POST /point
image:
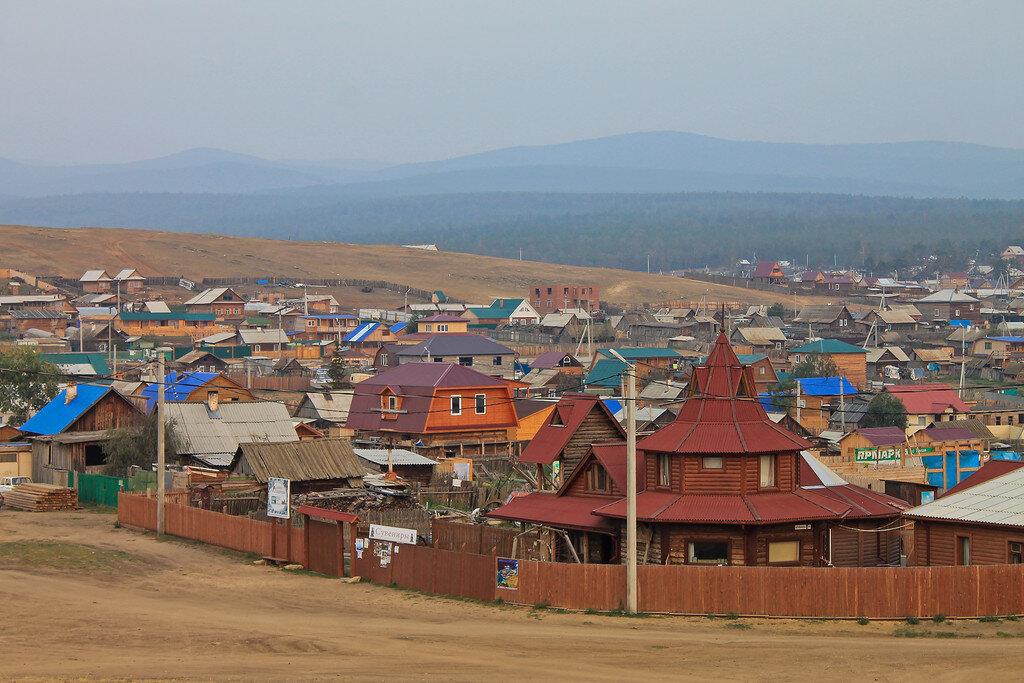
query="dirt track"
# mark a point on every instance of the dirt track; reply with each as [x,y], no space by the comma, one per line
[129,606]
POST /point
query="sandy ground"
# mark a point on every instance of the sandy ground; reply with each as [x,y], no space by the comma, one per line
[132,607]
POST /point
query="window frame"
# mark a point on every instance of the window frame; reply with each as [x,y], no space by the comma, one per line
[962,550]
[664,473]
[705,458]
[455,404]
[594,472]
[771,458]
[689,543]
[786,563]
[1010,552]
[480,404]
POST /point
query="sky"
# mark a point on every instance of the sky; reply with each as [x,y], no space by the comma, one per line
[107,81]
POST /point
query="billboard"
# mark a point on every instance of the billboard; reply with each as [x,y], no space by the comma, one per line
[394,534]
[279,497]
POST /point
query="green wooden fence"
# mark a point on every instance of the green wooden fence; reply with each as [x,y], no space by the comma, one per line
[98,488]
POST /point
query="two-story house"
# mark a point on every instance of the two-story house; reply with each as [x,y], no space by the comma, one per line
[223,302]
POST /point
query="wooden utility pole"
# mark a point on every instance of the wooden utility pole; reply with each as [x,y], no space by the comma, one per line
[160,456]
[631,581]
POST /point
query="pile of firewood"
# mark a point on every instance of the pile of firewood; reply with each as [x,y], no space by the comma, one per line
[41,498]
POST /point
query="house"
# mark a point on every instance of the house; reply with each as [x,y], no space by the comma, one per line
[223,302]
[662,394]
[817,398]
[833,317]
[440,408]
[722,484]
[1013,253]
[197,386]
[442,324]
[1000,349]
[550,298]
[978,522]
[769,273]
[372,335]
[928,403]
[209,433]
[569,326]
[407,464]
[469,350]
[887,361]
[934,360]
[79,364]
[503,312]
[875,446]
[577,421]
[129,280]
[96,281]
[327,410]
[954,280]
[198,360]
[269,342]
[607,374]
[533,414]
[562,361]
[835,285]
[646,359]
[54,321]
[68,433]
[313,465]
[851,360]
[323,326]
[145,324]
[758,339]
[949,304]
[901,321]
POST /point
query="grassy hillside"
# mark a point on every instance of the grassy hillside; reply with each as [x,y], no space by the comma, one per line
[69,252]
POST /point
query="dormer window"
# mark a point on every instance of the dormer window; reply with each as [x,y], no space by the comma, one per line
[597,478]
[664,470]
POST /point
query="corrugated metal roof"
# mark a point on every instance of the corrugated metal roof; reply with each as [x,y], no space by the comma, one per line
[261,336]
[361,332]
[454,345]
[207,296]
[57,415]
[829,346]
[148,315]
[95,276]
[573,512]
[311,460]
[399,456]
[214,438]
[996,501]
[332,406]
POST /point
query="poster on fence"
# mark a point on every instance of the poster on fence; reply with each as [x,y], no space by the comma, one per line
[278,497]
[508,574]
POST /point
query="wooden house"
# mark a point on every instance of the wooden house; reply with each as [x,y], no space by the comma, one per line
[198,360]
[949,304]
[130,281]
[769,273]
[830,317]
[442,324]
[328,411]
[311,465]
[1001,350]
[851,360]
[533,414]
[208,433]
[213,387]
[577,421]
[191,325]
[928,403]
[223,302]
[96,281]
[563,361]
[68,433]
[441,409]
[503,312]
[470,350]
[977,522]
[758,339]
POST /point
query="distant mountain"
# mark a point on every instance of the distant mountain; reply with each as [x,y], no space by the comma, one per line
[636,162]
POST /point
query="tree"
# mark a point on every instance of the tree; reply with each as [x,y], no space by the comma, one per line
[816,365]
[27,382]
[885,411]
[136,444]
[338,374]
[777,309]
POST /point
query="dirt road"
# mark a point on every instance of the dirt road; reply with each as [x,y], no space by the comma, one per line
[83,599]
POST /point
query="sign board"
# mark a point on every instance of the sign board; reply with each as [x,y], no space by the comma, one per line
[394,534]
[508,574]
[186,283]
[279,497]
[887,454]
[927,497]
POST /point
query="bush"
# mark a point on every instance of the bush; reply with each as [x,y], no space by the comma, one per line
[913,621]
[939,618]
[863,621]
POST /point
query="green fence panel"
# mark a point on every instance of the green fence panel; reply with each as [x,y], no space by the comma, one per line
[97,488]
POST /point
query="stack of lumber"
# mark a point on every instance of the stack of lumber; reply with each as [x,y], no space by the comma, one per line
[41,498]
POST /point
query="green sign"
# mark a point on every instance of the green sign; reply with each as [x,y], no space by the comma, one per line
[887,454]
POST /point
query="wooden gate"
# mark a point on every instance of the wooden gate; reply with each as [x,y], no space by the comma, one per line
[324,544]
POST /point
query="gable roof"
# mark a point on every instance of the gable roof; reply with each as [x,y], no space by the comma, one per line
[79,363]
[331,406]
[606,373]
[553,359]
[454,345]
[263,336]
[640,353]
[947,296]
[924,399]
[828,346]
[898,355]
[722,414]
[765,268]
[210,295]
[820,314]
[882,436]
[213,437]
[58,415]
[310,460]
[499,308]
[398,456]
[568,415]
[128,274]
[996,501]
[761,335]
[95,276]
[178,386]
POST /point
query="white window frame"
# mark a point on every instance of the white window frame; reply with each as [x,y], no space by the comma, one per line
[480,407]
[768,476]
[455,403]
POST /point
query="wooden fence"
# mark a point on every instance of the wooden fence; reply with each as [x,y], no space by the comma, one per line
[479,539]
[271,383]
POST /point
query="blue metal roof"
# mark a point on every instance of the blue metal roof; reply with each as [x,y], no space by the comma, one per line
[398,327]
[829,346]
[825,386]
[56,416]
[361,332]
[177,387]
[1012,340]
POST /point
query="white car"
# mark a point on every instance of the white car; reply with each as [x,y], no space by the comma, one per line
[8,483]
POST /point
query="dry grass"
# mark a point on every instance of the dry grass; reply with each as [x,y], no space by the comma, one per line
[69,252]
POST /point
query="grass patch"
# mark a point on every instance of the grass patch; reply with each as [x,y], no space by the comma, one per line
[945,634]
[1013,617]
[739,624]
[863,621]
[1004,634]
[660,647]
[36,555]
[905,632]
[913,621]
[990,620]
[732,615]
[307,572]
[540,605]
[590,610]
[939,618]
[97,508]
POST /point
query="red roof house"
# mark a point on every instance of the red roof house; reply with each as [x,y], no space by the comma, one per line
[928,403]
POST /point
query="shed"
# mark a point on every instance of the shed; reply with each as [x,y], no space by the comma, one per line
[315,464]
[405,463]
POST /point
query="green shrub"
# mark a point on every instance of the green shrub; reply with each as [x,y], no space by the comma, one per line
[863,621]
[913,621]
[939,618]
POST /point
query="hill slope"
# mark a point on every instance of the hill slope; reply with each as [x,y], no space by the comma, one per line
[70,252]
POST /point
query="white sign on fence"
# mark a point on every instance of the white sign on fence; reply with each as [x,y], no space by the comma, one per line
[392,533]
[278,497]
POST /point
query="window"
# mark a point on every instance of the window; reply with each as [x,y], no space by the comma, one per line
[664,469]
[481,404]
[783,552]
[963,550]
[438,359]
[843,322]
[761,369]
[456,405]
[392,403]
[708,552]
[310,323]
[767,471]
[441,327]
[1016,553]
[496,361]
[427,326]
[466,360]
[712,462]
[988,346]
[597,478]
[549,290]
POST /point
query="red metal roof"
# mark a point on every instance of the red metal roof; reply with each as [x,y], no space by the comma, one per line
[612,456]
[927,399]
[990,470]
[570,512]
[722,414]
[883,436]
[765,268]
[568,415]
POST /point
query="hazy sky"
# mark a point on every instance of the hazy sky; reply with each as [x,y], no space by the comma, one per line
[408,81]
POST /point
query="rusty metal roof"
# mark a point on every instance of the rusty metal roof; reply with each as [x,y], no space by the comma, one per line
[311,460]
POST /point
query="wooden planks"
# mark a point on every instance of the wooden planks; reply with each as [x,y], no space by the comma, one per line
[41,498]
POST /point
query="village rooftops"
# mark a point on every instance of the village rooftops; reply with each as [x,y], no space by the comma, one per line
[170,315]
[948,296]
[214,436]
[927,399]
[641,353]
[883,436]
[442,318]
[454,345]
[990,470]
[998,502]
[300,461]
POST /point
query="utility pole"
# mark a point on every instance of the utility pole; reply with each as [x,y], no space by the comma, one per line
[160,456]
[631,581]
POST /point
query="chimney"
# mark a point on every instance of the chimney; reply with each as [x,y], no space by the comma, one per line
[213,401]
[71,392]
